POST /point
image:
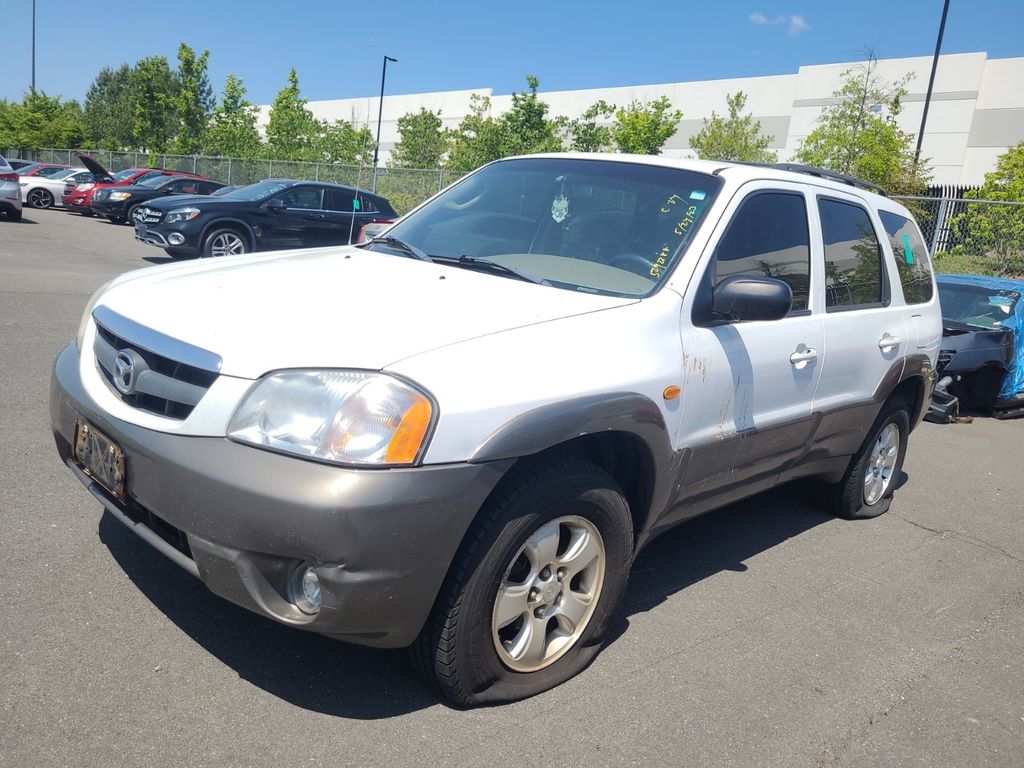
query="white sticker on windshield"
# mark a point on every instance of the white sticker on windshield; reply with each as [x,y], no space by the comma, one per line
[697,195]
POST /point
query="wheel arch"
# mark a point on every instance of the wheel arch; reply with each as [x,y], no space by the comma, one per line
[623,433]
[238,225]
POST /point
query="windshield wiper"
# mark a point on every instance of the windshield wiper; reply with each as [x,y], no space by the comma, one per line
[401,245]
[472,262]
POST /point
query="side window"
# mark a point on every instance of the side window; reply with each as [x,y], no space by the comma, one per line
[305,198]
[208,187]
[367,205]
[185,187]
[768,236]
[341,200]
[853,257]
[911,254]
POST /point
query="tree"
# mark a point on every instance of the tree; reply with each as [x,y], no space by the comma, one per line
[232,131]
[292,131]
[110,108]
[643,128]
[41,121]
[585,135]
[990,236]
[341,142]
[736,137]
[155,87]
[194,100]
[524,129]
[422,141]
[858,135]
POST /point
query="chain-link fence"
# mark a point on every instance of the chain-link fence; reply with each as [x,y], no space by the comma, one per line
[968,236]
[404,187]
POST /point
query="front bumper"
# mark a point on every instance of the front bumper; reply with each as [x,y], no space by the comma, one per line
[77,206]
[117,208]
[382,539]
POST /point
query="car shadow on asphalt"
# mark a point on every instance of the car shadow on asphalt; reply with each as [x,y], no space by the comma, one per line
[339,679]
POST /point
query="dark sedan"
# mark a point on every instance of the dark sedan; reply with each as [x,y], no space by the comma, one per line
[270,215]
[120,204]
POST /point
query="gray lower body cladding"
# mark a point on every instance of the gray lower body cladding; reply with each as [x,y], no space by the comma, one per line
[383,539]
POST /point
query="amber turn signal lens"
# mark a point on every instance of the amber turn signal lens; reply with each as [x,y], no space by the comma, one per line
[410,433]
[671,393]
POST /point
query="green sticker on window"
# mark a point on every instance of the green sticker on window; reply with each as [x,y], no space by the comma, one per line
[356,206]
[908,252]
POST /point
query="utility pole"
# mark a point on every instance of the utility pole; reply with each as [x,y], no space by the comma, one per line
[33,46]
[931,81]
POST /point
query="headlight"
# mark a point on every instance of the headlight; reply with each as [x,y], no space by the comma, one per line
[181,214]
[84,322]
[344,417]
[85,187]
[119,195]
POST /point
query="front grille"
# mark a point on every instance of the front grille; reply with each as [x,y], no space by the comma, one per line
[945,357]
[100,195]
[173,536]
[161,385]
[149,216]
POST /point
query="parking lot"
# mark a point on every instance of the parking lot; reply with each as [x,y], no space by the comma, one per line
[766,633]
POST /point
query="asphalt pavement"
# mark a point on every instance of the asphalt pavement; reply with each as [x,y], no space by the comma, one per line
[764,634]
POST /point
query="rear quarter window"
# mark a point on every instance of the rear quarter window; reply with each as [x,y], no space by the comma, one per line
[911,254]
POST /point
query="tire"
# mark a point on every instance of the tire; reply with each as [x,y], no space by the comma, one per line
[224,241]
[570,512]
[14,215]
[868,484]
[130,218]
[40,198]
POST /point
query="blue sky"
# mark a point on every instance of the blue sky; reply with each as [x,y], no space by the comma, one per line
[337,47]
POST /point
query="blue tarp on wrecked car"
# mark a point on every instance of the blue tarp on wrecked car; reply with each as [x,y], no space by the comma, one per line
[1013,382]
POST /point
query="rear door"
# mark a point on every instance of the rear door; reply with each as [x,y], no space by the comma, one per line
[345,214]
[865,334]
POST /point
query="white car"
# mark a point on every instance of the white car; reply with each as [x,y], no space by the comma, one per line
[457,436]
[46,191]
[10,200]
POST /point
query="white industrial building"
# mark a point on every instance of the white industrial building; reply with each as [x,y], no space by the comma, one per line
[977,108]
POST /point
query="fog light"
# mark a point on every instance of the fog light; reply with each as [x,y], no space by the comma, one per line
[176,239]
[304,589]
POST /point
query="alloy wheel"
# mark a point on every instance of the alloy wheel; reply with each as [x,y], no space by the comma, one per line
[881,464]
[227,244]
[548,594]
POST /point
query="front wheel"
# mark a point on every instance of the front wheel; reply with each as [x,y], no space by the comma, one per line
[527,602]
[867,487]
[224,242]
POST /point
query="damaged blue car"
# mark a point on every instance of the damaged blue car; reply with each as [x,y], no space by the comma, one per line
[981,359]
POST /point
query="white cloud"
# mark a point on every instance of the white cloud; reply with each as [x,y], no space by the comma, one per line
[795,24]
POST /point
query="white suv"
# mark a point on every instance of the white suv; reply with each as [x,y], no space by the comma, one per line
[458,435]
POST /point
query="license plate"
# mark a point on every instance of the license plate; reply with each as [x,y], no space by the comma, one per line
[140,230]
[100,458]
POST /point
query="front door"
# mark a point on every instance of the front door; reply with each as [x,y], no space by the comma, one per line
[302,222]
[749,386]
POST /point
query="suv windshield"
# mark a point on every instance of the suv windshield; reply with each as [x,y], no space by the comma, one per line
[975,306]
[589,225]
[261,190]
[127,172]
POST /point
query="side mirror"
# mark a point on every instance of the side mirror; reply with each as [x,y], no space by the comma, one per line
[751,297]
[275,206]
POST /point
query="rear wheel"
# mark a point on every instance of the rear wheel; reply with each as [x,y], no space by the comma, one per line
[14,215]
[224,242]
[869,482]
[40,198]
[527,602]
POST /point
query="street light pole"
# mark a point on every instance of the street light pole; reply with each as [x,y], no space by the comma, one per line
[380,113]
[931,81]
[33,46]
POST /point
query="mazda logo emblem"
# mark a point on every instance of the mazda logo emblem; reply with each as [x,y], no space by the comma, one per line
[124,372]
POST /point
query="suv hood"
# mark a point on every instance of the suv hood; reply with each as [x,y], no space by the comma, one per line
[212,203]
[101,174]
[332,307]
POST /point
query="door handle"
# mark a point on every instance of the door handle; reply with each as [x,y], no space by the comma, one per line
[888,342]
[803,356]
[315,216]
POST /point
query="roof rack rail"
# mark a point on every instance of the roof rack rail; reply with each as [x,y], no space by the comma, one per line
[810,170]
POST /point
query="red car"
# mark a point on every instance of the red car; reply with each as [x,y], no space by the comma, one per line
[78,198]
[42,169]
